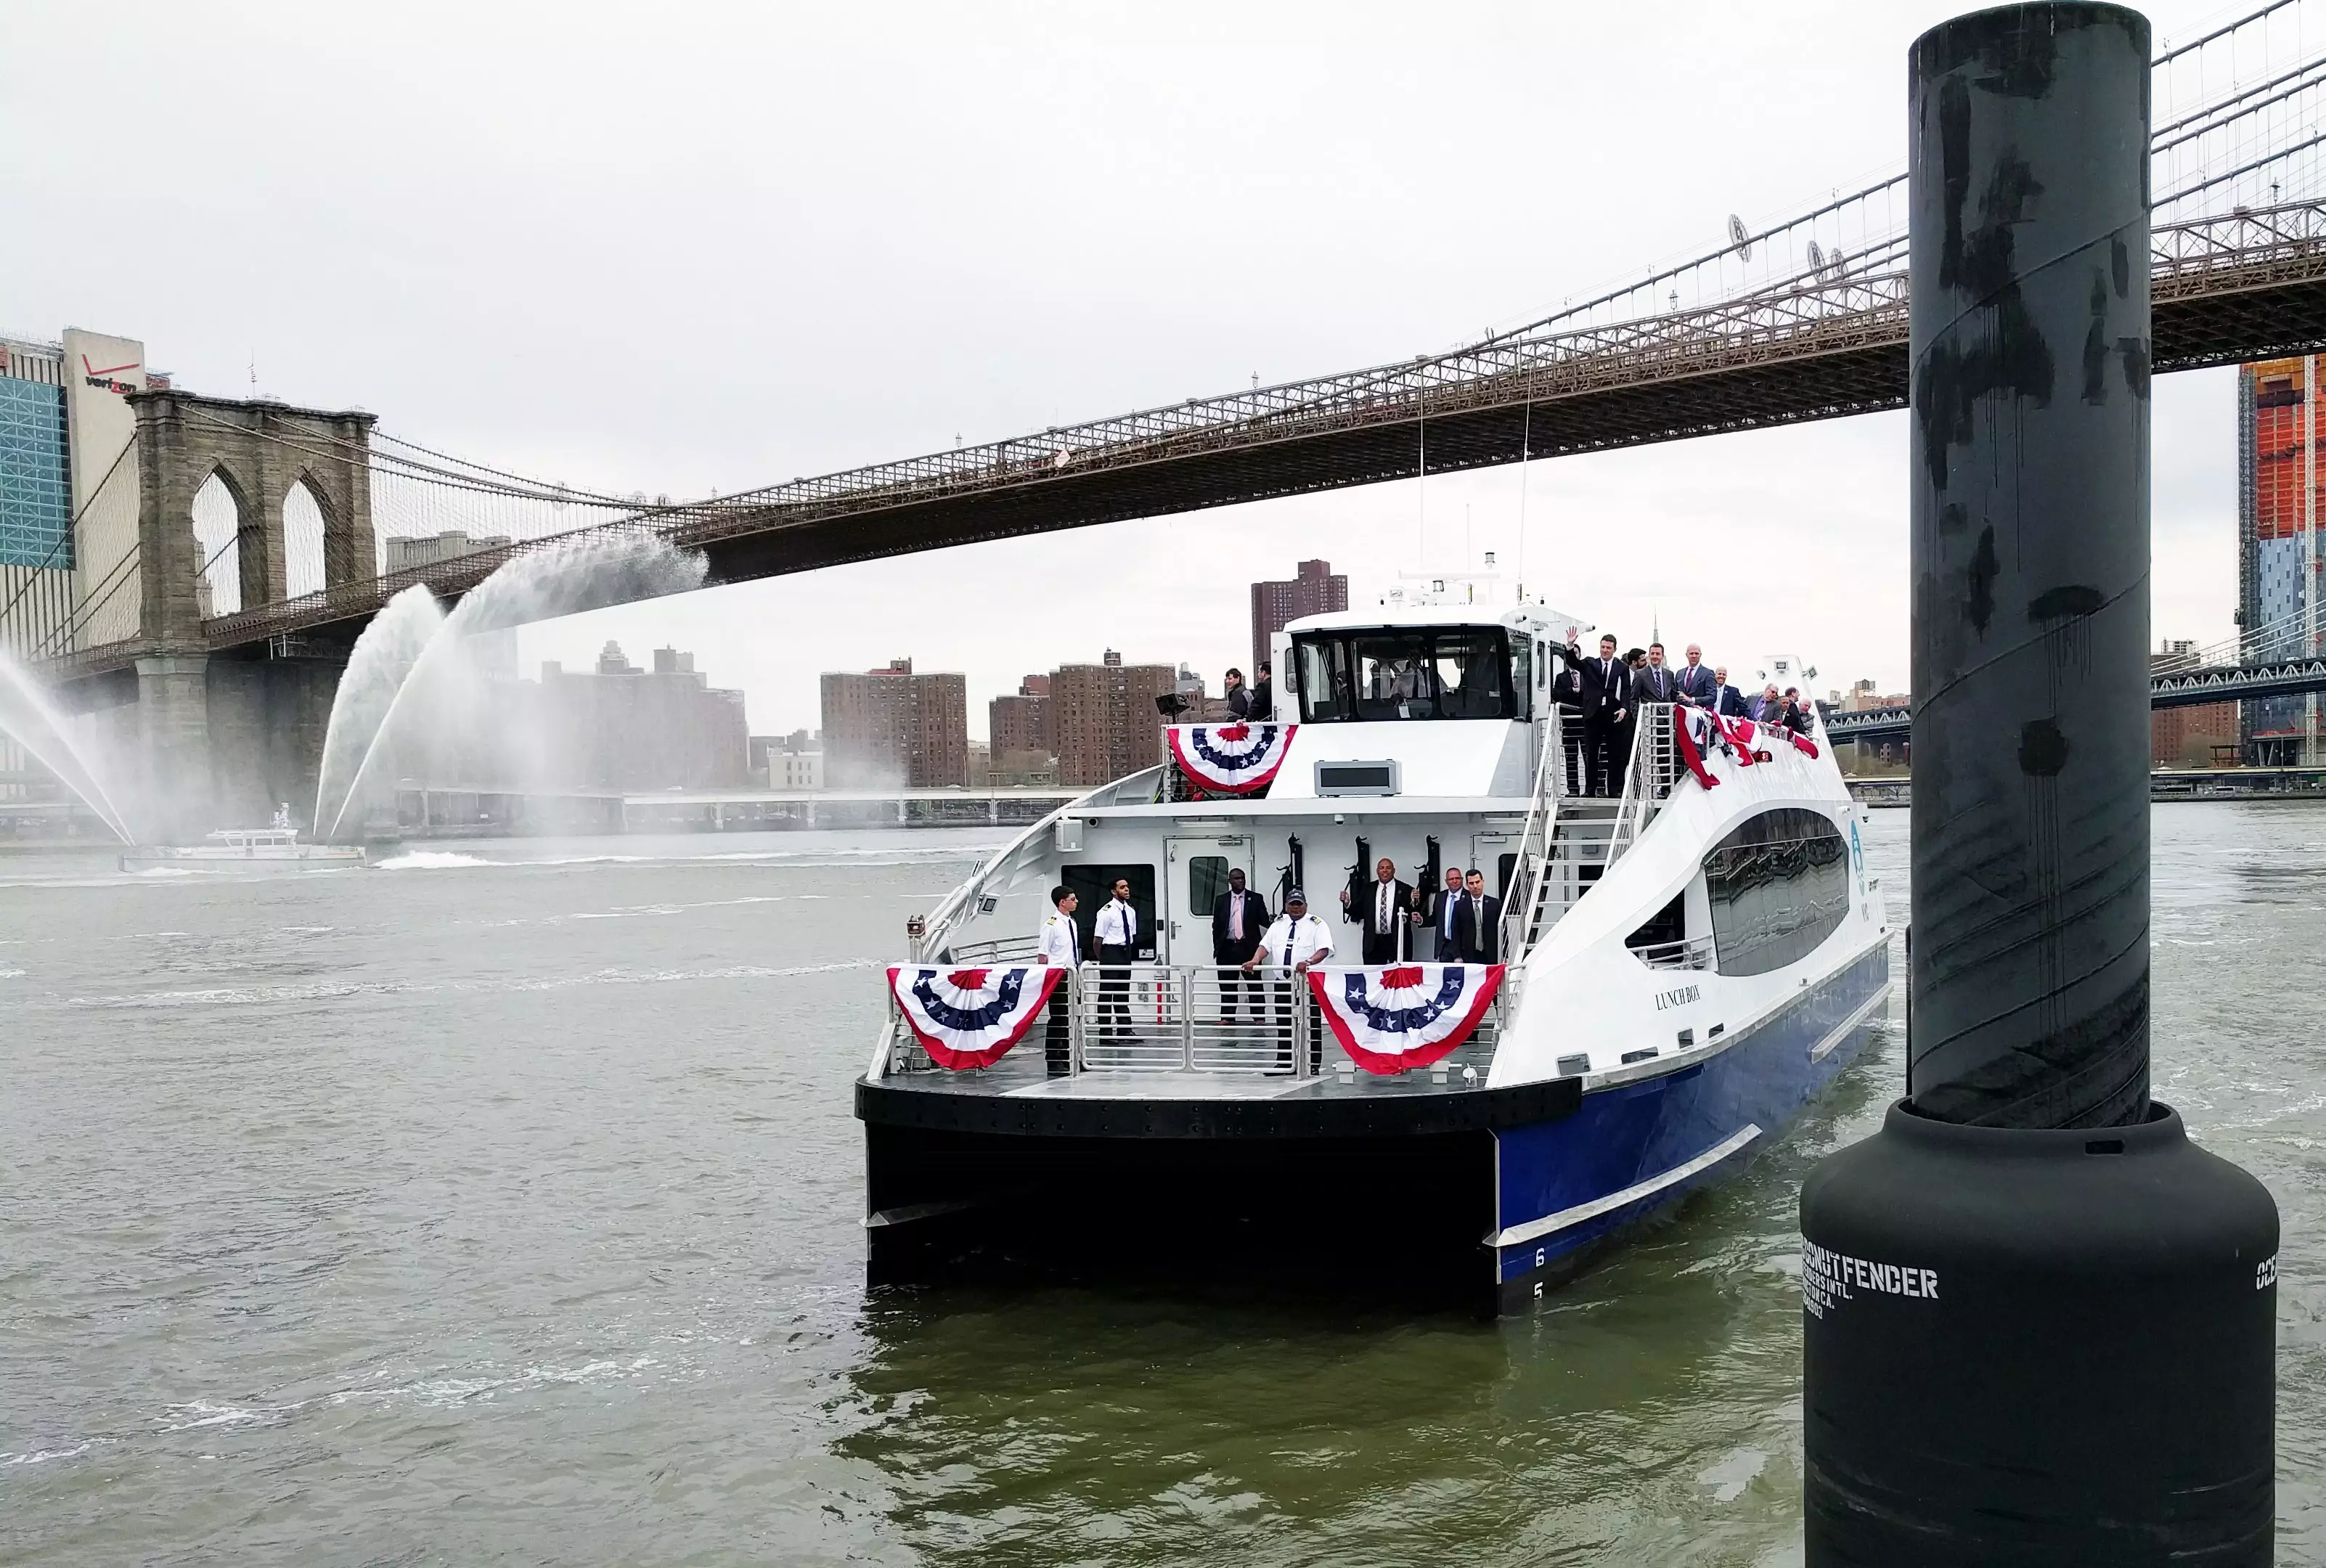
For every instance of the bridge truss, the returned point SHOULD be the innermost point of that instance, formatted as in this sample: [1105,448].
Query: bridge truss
[1802,319]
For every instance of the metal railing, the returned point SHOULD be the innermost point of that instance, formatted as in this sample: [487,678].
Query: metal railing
[1000,951]
[1149,1019]
[1520,899]
[1654,766]
[1161,1019]
[1693,953]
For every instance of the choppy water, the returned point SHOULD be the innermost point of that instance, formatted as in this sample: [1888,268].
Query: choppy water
[501,1205]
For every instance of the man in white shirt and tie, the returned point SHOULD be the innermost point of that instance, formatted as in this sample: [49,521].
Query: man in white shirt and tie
[1384,910]
[1062,947]
[1295,942]
[1117,937]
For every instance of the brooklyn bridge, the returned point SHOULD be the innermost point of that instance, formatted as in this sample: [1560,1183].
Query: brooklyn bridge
[1802,320]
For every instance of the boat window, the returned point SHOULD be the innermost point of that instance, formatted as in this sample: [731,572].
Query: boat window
[1778,885]
[1324,693]
[1208,878]
[1428,673]
[1664,927]
[1394,678]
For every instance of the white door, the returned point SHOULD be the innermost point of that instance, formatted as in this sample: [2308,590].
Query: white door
[1487,853]
[1195,873]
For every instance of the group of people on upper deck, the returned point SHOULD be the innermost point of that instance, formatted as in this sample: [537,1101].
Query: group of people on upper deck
[1607,692]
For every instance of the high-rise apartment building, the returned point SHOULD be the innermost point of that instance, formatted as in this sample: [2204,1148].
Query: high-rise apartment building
[2279,474]
[892,726]
[1106,723]
[1313,591]
[1021,721]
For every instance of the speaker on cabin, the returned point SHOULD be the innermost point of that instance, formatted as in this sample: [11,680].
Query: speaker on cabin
[2038,1321]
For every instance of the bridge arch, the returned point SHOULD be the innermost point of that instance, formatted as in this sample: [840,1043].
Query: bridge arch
[220,514]
[306,530]
[300,481]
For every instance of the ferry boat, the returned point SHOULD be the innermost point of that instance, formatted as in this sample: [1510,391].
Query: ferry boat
[238,848]
[1680,970]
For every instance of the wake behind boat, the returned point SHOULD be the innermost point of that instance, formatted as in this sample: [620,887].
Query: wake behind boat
[1652,983]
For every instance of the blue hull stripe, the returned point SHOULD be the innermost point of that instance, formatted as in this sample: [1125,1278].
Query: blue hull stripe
[1636,1147]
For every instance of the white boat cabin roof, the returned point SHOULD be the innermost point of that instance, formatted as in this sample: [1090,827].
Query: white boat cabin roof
[1541,618]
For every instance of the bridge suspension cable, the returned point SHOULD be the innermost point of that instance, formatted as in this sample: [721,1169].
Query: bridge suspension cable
[1818,297]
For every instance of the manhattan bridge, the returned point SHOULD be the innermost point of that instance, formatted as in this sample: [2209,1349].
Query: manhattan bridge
[1802,317]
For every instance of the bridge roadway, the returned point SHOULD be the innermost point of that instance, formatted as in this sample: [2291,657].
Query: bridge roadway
[2176,689]
[2229,288]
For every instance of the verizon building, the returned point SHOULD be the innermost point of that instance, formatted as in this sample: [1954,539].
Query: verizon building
[68,485]
[1313,591]
[2278,477]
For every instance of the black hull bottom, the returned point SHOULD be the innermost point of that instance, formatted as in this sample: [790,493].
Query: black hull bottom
[1397,1219]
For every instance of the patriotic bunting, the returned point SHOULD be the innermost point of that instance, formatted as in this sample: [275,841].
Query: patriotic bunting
[967,1018]
[1702,736]
[1393,1017]
[1230,759]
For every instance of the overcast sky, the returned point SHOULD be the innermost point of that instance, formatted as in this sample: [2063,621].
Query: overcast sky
[685,248]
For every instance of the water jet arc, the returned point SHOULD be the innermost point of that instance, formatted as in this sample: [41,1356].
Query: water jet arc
[27,716]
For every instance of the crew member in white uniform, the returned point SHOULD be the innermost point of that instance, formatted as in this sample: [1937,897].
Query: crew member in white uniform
[1117,937]
[1062,945]
[1296,941]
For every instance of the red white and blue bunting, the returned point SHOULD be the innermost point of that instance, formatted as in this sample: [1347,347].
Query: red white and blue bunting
[1230,759]
[1705,736]
[1393,1017]
[966,1018]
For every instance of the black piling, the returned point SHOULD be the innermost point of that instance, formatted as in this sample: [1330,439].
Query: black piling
[2028,246]
[2039,1321]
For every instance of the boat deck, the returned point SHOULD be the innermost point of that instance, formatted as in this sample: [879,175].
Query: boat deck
[1181,1085]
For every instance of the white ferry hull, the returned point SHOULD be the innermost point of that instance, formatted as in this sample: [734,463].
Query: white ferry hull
[256,858]
[1678,971]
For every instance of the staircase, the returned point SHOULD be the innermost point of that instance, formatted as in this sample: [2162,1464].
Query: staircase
[1571,840]
[1582,840]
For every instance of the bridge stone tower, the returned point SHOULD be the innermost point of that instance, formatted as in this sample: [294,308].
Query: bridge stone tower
[259,450]
[224,739]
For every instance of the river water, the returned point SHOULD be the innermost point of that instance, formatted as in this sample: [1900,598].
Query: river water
[501,1205]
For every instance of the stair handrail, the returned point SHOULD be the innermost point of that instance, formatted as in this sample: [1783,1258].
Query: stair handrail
[1534,843]
[1646,778]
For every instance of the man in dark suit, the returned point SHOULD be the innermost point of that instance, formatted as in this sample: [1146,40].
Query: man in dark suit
[1730,703]
[1606,699]
[1385,909]
[1263,707]
[1238,919]
[1655,683]
[1698,689]
[1477,921]
[1443,906]
[1567,691]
